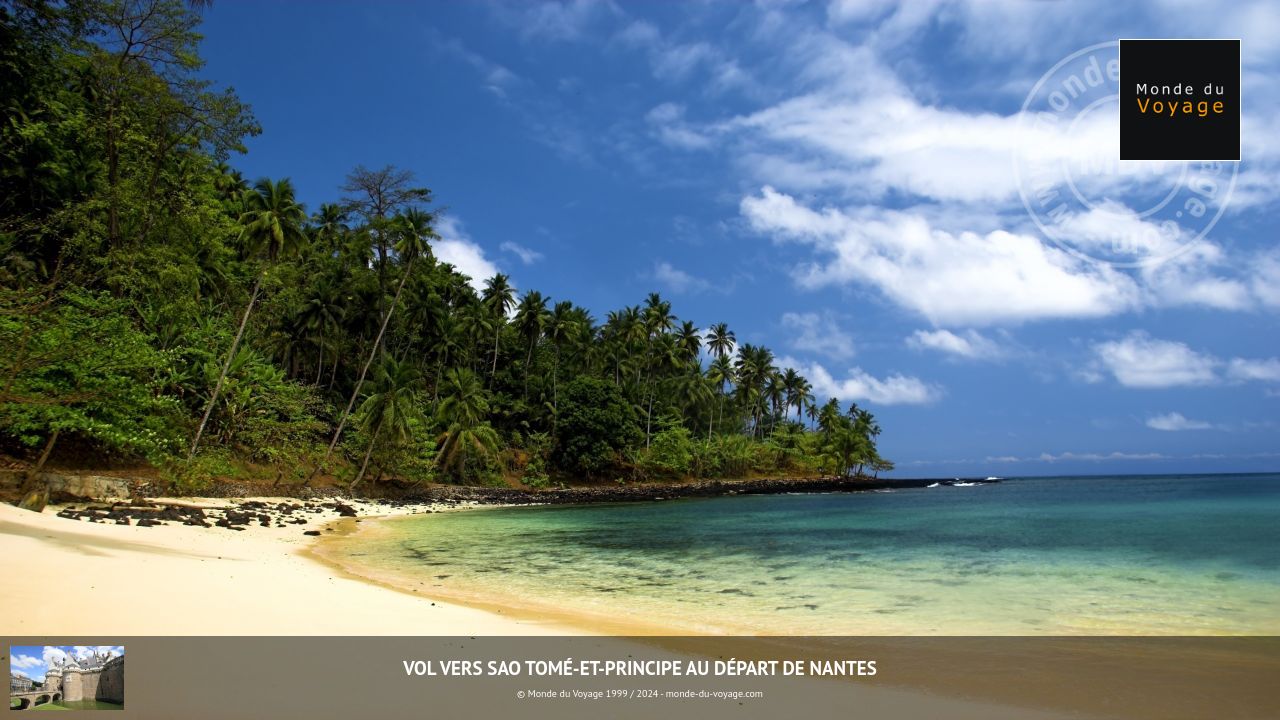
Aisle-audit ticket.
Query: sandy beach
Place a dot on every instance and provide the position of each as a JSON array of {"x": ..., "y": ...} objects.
[{"x": 179, "y": 580}]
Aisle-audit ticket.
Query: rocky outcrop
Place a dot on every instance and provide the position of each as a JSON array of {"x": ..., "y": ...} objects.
[{"x": 96, "y": 487}]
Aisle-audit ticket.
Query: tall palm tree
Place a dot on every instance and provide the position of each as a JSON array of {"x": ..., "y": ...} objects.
[
  {"x": 775, "y": 393},
  {"x": 321, "y": 317},
  {"x": 271, "y": 228},
  {"x": 391, "y": 408},
  {"x": 720, "y": 373},
  {"x": 561, "y": 327},
  {"x": 499, "y": 297},
  {"x": 463, "y": 409},
  {"x": 531, "y": 318},
  {"x": 413, "y": 229}
]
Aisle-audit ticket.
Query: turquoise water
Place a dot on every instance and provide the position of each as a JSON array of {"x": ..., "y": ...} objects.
[{"x": 1168, "y": 555}]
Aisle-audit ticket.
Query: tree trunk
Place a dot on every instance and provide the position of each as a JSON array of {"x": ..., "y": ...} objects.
[
  {"x": 368, "y": 453},
  {"x": 35, "y": 494},
  {"x": 226, "y": 366},
  {"x": 355, "y": 392},
  {"x": 320, "y": 361},
  {"x": 528, "y": 359},
  {"x": 493, "y": 371}
]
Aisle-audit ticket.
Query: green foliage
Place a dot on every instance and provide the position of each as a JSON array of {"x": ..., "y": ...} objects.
[
  {"x": 671, "y": 453},
  {"x": 79, "y": 366},
  {"x": 151, "y": 298},
  {"x": 594, "y": 427}
]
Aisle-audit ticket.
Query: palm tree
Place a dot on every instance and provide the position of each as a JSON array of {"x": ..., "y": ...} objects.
[
  {"x": 330, "y": 228},
  {"x": 413, "y": 230},
  {"x": 531, "y": 318},
  {"x": 690, "y": 342},
  {"x": 392, "y": 407},
  {"x": 720, "y": 373},
  {"x": 499, "y": 297},
  {"x": 271, "y": 227},
  {"x": 560, "y": 328},
  {"x": 720, "y": 340},
  {"x": 321, "y": 316},
  {"x": 775, "y": 393},
  {"x": 463, "y": 410}
]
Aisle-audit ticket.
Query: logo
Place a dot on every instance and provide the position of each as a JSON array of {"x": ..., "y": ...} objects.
[{"x": 1080, "y": 192}]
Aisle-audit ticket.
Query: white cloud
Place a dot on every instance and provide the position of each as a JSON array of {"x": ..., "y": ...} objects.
[
  {"x": 946, "y": 277},
  {"x": 1049, "y": 457},
  {"x": 560, "y": 20},
  {"x": 668, "y": 125},
  {"x": 1174, "y": 421},
  {"x": 1141, "y": 361},
  {"x": 860, "y": 386},
  {"x": 53, "y": 654},
  {"x": 25, "y": 662},
  {"x": 1244, "y": 370},
  {"x": 456, "y": 248},
  {"x": 818, "y": 333},
  {"x": 677, "y": 280},
  {"x": 970, "y": 344},
  {"x": 528, "y": 256}
]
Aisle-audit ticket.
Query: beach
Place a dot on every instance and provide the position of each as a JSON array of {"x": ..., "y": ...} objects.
[{"x": 180, "y": 580}]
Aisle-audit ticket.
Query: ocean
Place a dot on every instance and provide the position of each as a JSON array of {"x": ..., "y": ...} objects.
[{"x": 1095, "y": 555}]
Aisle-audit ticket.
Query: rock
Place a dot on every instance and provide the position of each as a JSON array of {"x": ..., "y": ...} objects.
[{"x": 311, "y": 532}]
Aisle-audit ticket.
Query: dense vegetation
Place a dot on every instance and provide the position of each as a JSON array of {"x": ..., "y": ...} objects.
[{"x": 156, "y": 306}]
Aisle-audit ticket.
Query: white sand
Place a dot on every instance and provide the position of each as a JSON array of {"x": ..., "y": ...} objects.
[{"x": 73, "y": 577}]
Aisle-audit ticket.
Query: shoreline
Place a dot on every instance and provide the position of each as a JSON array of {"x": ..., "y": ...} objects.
[{"x": 182, "y": 580}]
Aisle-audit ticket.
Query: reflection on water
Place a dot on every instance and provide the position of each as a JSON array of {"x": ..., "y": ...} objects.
[{"x": 1120, "y": 555}]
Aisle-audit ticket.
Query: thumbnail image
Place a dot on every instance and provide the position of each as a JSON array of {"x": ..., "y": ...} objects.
[{"x": 66, "y": 677}]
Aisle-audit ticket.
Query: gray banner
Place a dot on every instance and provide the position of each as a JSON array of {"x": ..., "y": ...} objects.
[{"x": 694, "y": 677}]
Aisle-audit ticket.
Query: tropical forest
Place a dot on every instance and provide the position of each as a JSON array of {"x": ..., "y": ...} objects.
[{"x": 160, "y": 310}]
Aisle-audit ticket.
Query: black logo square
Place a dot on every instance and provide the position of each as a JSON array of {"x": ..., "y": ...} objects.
[{"x": 1179, "y": 99}]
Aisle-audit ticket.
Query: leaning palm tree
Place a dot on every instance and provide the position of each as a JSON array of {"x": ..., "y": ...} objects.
[
  {"x": 413, "y": 229},
  {"x": 271, "y": 227},
  {"x": 392, "y": 407},
  {"x": 463, "y": 409}
]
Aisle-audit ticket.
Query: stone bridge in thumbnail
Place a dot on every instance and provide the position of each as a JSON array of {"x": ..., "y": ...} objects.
[{"x": 30, "y": 699}]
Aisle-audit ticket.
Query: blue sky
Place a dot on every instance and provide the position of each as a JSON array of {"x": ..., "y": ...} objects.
[
  {"x": 33, "y": 661},
  {"x": 834, "y": 180}
]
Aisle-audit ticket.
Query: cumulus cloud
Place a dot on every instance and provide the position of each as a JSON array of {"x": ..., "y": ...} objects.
[
  {"x": 969, "y": 344},
  {"x": 26, "y": 662},
  {"x": 456, "y": 248},
  {"x": 1174, "y": 421},
  {"x": 860, "y": 386},
  {"x": 1141, "y": 361},
  {"x": 949, "y": 278},
  {"x": 819, "y": 334}
]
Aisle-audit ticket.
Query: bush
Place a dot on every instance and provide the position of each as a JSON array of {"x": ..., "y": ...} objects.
[
  {"x": 671, "y": 451},
  {"x": 595, "y": 426}
]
